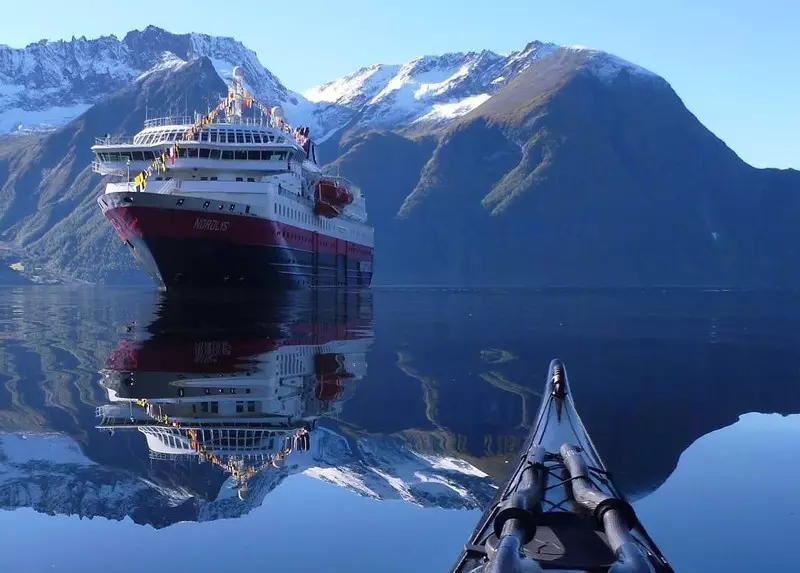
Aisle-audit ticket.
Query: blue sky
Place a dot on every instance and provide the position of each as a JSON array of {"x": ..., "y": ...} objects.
[{"x": 735, "y": 63}]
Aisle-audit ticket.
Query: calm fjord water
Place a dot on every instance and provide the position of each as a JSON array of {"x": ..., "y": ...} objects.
[{"x": 121, "y": 423}]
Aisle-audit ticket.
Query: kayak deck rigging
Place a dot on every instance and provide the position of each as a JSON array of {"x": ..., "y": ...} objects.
[{"x": 560, "y": 508}]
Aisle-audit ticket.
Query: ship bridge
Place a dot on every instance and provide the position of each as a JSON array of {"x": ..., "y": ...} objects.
[{"x": 249, "y": 145}]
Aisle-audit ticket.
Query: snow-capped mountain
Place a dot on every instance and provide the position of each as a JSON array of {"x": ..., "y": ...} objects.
[
  {"x": 49, "y": 83},
  {"x": 49, "y": 473},
  {"x": 430, "y": 89}
]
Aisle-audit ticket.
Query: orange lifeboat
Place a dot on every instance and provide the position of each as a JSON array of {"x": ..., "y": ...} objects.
[
  {"x": 329, "y": 370},
  {"x": 330, "y": 197},
  {"x": 330, "y": 366}
]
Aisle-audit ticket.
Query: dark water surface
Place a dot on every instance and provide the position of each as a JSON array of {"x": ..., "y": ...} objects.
[{"x": 139, "y": 432}]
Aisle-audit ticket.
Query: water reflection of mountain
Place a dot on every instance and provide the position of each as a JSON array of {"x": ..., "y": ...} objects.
[
  {"x": 209, "y": 407},
  {"x": 451, "y": 376},
  {"x": 651, "y": 370}
]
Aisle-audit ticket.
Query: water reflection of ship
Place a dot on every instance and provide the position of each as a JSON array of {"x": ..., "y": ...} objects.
[{"x": 247, "y": 388}]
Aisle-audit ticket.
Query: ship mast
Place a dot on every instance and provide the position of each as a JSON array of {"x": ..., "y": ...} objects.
[{"x": 237, "y": 89}]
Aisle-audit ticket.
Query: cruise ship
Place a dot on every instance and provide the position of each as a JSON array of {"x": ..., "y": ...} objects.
[{"x": 234, "y": 197}]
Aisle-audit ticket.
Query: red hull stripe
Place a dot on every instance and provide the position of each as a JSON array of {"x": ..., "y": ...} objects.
[
  {"x": 209, "y": 356},
  {"x": 234, "y": 229}
]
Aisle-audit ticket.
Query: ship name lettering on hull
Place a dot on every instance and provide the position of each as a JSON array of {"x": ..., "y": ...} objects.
[
  {"x": 201, "y": 224},
  {"x": 209, "y": 352}
]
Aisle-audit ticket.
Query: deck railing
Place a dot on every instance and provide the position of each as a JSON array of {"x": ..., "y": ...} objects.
[
  {"x": 188, "y": 120},
  {"x": 114, "y": 140}
]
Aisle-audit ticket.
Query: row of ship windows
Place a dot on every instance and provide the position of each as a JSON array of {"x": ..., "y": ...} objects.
[
  {"x": 214, "y": 178},
  {"x": 247, "y": 440},
  {"x": 285, "y": 211},
  {"x": 213, "y": 136},
  {"x": 308, "y": 219},
  {"x": 201, "y": 153},
  {"x": 204, "y": 406}
]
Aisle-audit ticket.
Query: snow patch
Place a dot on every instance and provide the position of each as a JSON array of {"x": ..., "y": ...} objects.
[
  {"x": 169, "y": 61},
  {"x": 607, "y": 66},
  {"x": 224, "y": 69},
  {"x": 364, "y": 82},
  {"x": 448, "y": 111},
  {"x": 413, "y": 85},
  {"x": 338, "y": 477},
  {"x": 452, "y": 464},
  {"x": 20, "y": 449}
]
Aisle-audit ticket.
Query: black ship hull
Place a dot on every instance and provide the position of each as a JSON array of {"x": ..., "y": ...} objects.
[{"x": 182, "y": 247}]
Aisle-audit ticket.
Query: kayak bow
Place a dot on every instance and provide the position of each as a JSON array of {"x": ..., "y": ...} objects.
[{"x": 560, "y": 509}]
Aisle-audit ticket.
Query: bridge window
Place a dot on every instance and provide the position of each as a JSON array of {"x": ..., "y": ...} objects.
[
  {"x": 193, "y": 152},
  {"x": 240, "y": 154},
  {"x": 203, "y": 136},
  {"x": 227, "y": 154},
  {"x": 239, "y": 137},
  {"x": 138, "y": 156},
  {"x": 212, "y": 136},
  {"x": 231, "y": 137},
  {"x": 248, "y": 138},
  {"x": 254, "y": 154},
  {"x": 205, "y": 153},
  {"x": 215, "y": 154}
]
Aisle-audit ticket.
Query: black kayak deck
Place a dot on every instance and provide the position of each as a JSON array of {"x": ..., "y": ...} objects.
[{"x": 568, "y": 535}]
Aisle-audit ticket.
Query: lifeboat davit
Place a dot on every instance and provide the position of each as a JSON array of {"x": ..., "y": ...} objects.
[{"x": 330, "y": 198}]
